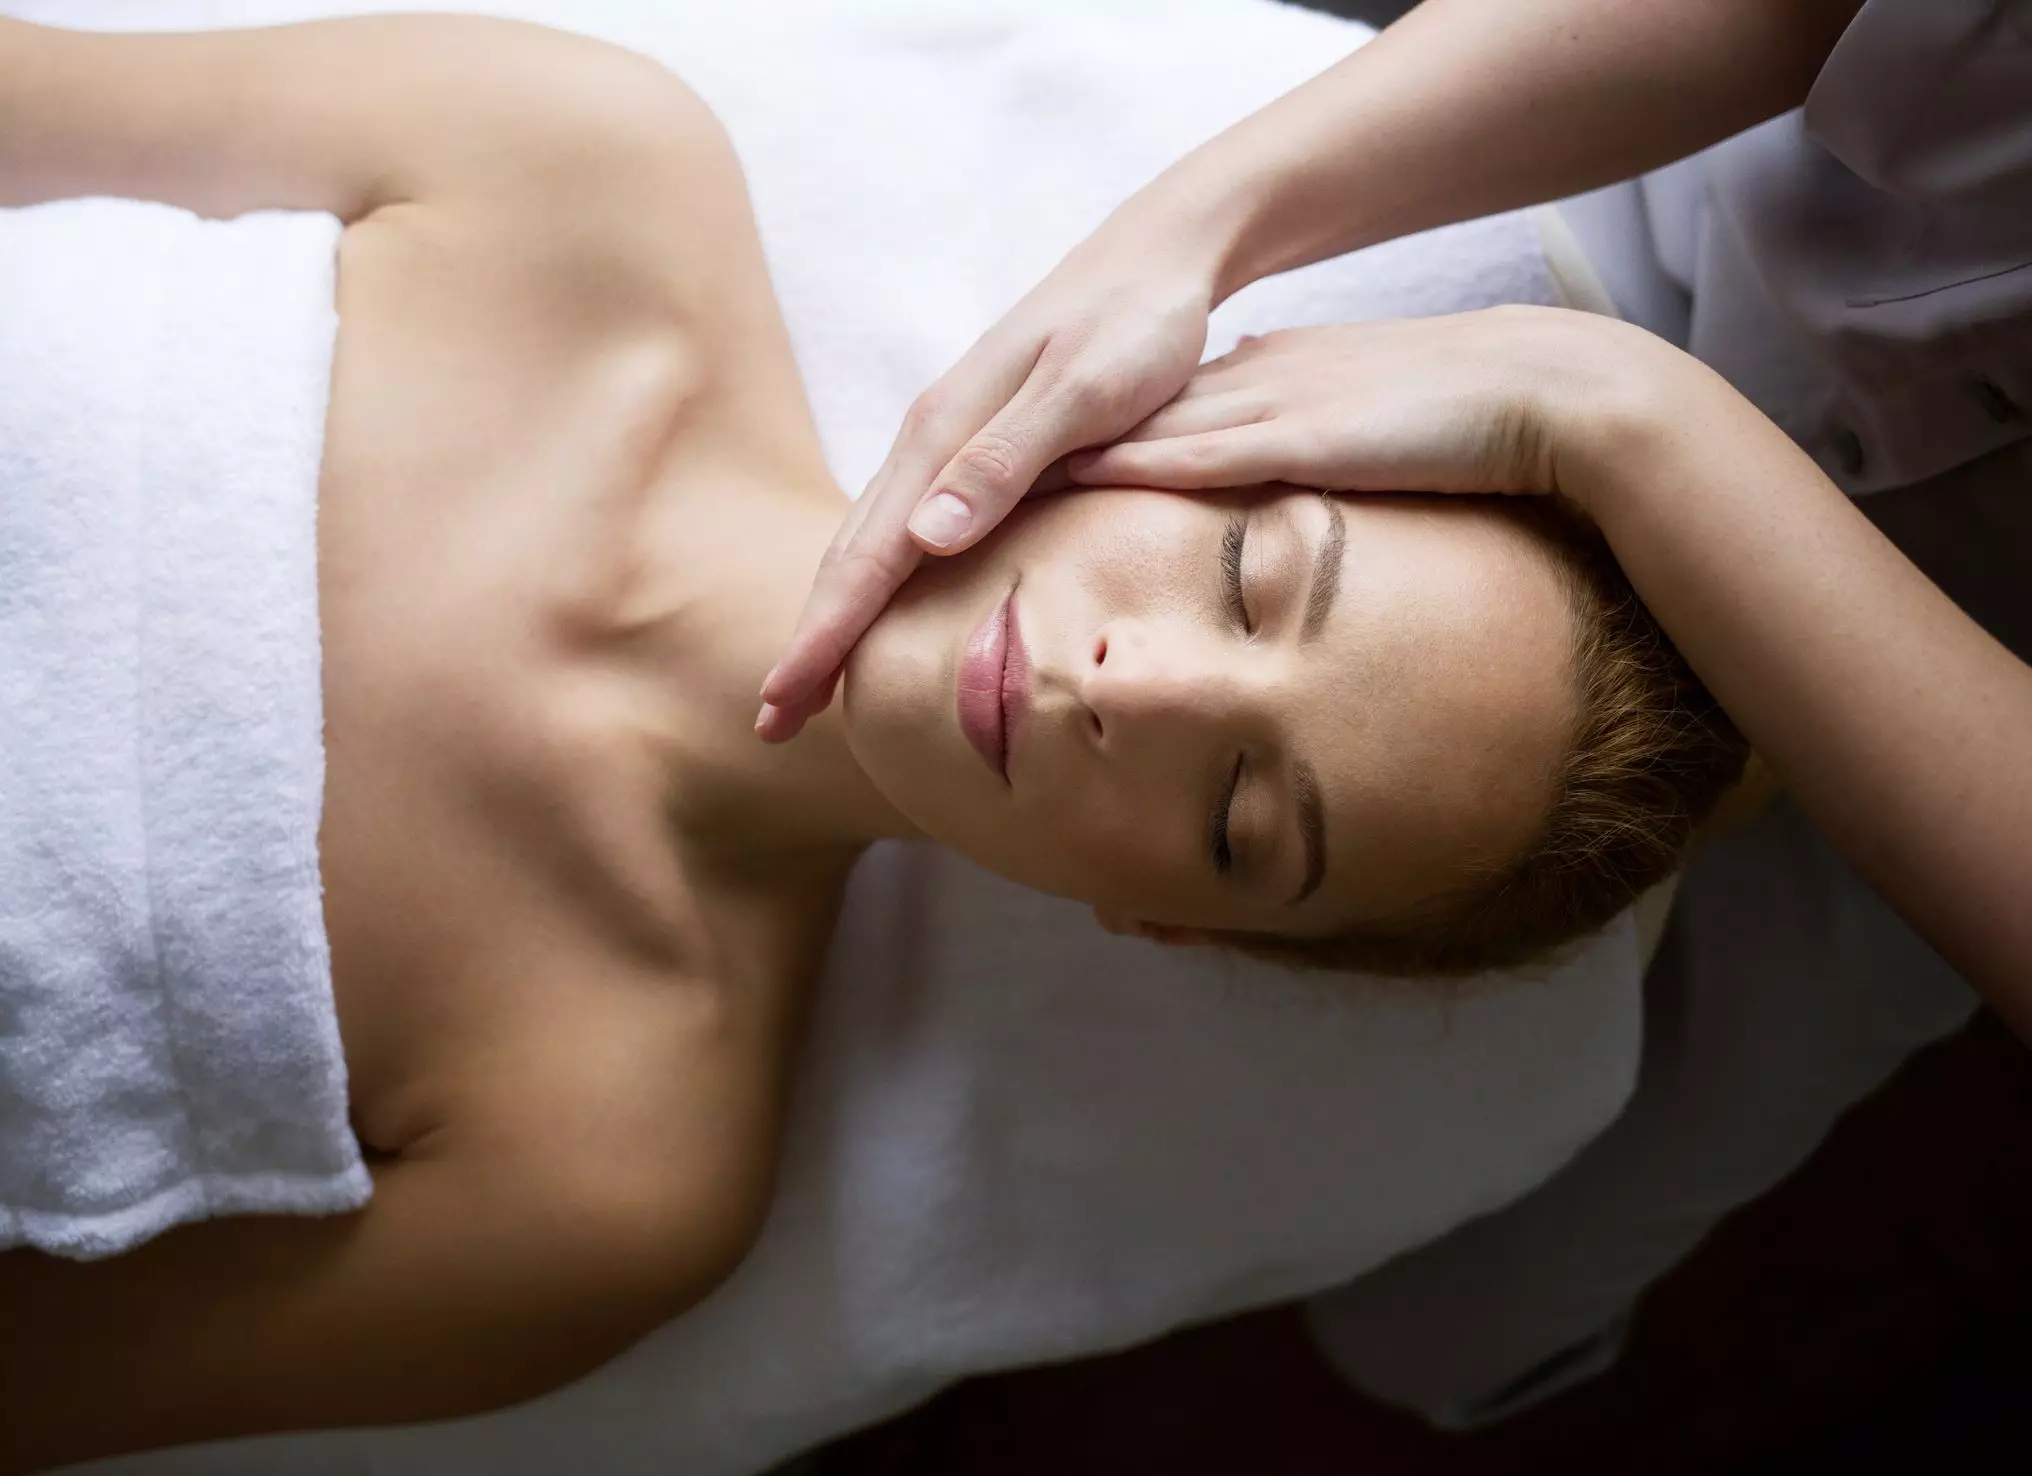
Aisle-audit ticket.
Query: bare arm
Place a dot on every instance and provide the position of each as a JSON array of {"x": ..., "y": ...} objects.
[
  {"x": 1898, "y": 723},
  {"x": 463, "y": 1286},
  {"x": 599, "y": 1169},
  {"x": 1467, "y": 107},
  {"x": 343, "y": 115}
]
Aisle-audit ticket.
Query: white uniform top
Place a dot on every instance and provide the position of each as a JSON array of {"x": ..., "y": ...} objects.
[{"x": 1862, "y": 268}]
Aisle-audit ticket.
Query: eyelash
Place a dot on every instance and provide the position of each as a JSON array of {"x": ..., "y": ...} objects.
[
  {"x": 1231, "y": 569},
  {"x": 1217, "y": 830}
]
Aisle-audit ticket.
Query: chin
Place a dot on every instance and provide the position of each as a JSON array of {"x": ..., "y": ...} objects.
[
  {"x": 913, "y": 753},
  {"x": 899, "y": 733}
]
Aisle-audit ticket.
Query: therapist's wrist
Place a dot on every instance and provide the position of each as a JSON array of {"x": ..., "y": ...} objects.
[
  {"x": 1621, "y": 402},
  {"x": 1282, "y": 190},
  {"x": 1194, "y": 224},
  {"x": 1240, "y": 209}
]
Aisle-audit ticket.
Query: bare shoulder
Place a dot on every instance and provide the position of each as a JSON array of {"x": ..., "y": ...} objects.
[
  {"x": 345, "y": 115},
  {"x": 605, "y": 167},
  {"x": 592, "y": 200},
  {"x": 574, "y": 120}
]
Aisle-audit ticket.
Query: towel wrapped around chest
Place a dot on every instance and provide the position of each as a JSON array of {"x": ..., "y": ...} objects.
[{"x": 168, "y": 1044}]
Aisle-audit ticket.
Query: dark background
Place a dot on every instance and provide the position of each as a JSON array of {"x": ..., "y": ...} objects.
[
  {"x": 1873, "y": 1313},
  {"x": 1375, "y": 12}
]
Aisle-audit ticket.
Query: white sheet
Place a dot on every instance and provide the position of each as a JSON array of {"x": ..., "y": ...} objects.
[{"x": 1016, "y": 1138}]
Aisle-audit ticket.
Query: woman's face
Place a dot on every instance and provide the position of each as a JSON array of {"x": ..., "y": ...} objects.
[{"x": 1273, "y": 711}]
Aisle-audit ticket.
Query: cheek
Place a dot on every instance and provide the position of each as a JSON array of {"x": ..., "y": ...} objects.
[
  {"x": 1086, "y": 558},
  {"x": 1135, "y": 555},
  {"x": 1118, "y": 547},
  {"x": 1113, "y": 845}
]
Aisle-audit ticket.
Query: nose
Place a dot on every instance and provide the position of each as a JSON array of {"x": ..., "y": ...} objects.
[{"x": 1139, "y": 678}]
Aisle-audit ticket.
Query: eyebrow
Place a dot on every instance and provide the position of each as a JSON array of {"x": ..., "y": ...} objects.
[
  {"x": 1319, "y": 603},
  {"x": 1326, "y": 573},
  {"x": 1311, "y": 827}
]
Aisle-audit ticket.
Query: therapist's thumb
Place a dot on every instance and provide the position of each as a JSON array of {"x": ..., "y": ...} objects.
[{"x": 992, "y": 472}]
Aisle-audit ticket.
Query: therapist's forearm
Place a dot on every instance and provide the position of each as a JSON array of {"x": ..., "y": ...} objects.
[
  {"x": 1467, "y": 107},
  {"x": 1898, "y": 724}
]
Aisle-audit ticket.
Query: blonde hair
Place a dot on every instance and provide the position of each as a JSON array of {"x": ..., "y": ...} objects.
[{"x": 1649, "y": 756}]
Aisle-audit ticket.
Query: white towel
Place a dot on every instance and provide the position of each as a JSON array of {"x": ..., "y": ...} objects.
[
  {"x": 1014, "y": 1137},
  {"x": 168, "y": 1048}
]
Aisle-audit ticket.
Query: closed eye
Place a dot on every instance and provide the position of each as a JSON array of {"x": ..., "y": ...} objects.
[
  {"x": 1231, "y": 570},
  {"x": 1217, "y": 823}
]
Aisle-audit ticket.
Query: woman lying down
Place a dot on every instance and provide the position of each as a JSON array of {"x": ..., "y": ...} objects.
[{"x": 570, "y": 501}]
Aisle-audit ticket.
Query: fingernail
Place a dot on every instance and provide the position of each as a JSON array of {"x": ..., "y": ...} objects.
[
  {"x": 765, "y": 716},
  {"x": 941, "y": 520}
]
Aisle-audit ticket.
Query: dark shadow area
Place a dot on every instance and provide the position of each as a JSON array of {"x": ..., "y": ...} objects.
[
  {"x": 1377, "y": 13},
  {"x": 1873, "y": 1313}
]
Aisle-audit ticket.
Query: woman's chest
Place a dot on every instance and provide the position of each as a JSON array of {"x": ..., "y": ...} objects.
[
  {"x": 497, "y": 854},
  {"x": 498, "y": 757}
]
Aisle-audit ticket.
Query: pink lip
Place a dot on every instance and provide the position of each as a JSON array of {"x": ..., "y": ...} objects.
[
  {"x": 1015, "y": 685},
  {"x": 993, "y": 695}
]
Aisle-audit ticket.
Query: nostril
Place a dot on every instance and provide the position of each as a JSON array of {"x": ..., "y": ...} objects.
[{"x": 1100, "y": 650}]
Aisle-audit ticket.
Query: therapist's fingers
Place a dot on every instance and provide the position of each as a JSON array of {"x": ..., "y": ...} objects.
[
  {"x": 1193, "y": 415},
  {"x": 850, "y": 591},
  {"x": 993, "y": 373},
  {"x": 1110, "y": 336},
  {"x": 1058, "y": 406},
  {"x": 776, "y": 724},
  {"x": 1235, "y": 456},
  {"x": 1090, "y": 383},
  {"x": 1053, "y": 413},
  {"x": 803, "y": 679},
  {"x": 873, "y": 553},
  {"x": 1447, "y": 404}
]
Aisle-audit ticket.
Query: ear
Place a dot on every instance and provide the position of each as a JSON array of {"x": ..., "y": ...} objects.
[{"x": 1124, "y": 926}]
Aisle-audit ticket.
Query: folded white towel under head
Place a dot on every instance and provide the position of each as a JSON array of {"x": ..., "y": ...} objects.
[{"x": 168, "y": 1048}]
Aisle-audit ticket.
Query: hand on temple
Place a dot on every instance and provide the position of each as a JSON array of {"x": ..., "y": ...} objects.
[
  {"x": 1452, "y": 404},
  {"x": 1508, "y": 105},
  {"x": 1849, "y": 671},
  {"x": 1097, "y": 346},
  {"x": 1109, "y": 336}
]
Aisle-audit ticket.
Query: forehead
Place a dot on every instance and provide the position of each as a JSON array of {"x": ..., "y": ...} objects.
[{"x": 1436, "y": 702}]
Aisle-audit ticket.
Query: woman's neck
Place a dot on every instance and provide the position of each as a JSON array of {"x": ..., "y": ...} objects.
[{"x": 724, "y": 576}]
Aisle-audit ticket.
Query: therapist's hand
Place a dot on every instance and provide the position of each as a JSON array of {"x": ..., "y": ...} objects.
[
  {"x": 1108, "y": 337},
  {"x": 1474, "y": 402}
]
